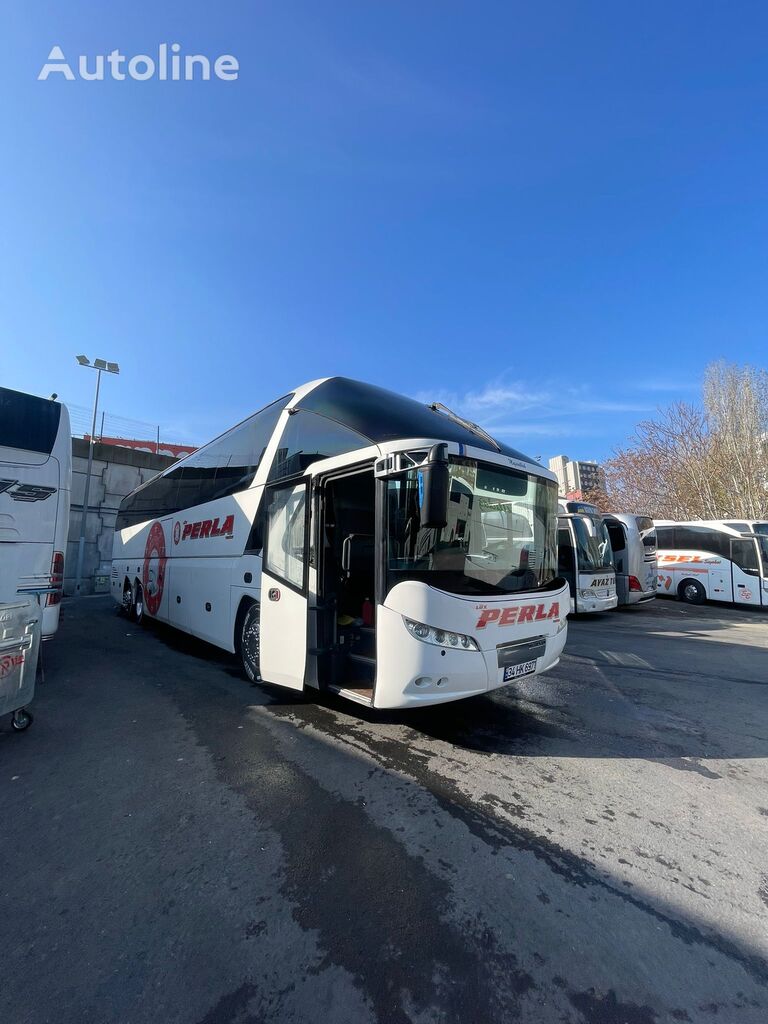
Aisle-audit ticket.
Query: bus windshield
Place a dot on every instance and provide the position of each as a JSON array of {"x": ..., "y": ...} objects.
[
  {"x": 593, "y": 546},
  {"x": 500, "y": 536}
]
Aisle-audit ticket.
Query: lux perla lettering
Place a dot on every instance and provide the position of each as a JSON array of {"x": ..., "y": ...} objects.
[{"x": 168, "y": 64}]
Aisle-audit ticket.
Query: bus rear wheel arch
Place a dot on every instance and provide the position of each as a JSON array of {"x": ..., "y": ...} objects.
[
  {"x": 248, "y": 639},
  {"x": 692, "y": 592}
]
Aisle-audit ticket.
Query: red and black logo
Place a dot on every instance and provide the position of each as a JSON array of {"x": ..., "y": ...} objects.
[{"x": 154, "y": 568}]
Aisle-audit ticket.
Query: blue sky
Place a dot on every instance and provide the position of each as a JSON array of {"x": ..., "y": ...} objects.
[{"x": 550, "y": 216}]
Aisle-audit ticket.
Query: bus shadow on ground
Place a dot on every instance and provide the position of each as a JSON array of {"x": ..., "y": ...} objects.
[{"x": 672, "y": 718}]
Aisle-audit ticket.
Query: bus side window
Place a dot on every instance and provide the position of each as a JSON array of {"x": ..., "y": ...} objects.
[{"x": 665, "y": 536}]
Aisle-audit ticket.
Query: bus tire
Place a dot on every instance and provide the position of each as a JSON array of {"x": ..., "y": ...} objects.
[
  {"x": 692, "y": 592},
  {"x": 126, "y": 605},
  {"x": 138, "y": 605},
  {"x": 247, "y": 640}
]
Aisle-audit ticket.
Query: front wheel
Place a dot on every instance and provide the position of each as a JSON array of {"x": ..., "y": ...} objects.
[
  {"x": 249, "y": 643},
  {"x": 692, "y": 592},
  {"x": 22, "y": 719}
]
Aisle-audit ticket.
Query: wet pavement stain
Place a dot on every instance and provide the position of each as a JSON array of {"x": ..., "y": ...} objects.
[{"x": 377, "y": 911}]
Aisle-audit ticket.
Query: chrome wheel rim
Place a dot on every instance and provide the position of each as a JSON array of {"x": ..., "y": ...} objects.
[
  {"x": 691, "y": 592},
  {"x": 127, "y": 600},
  {"x": 139, "y": 605}
]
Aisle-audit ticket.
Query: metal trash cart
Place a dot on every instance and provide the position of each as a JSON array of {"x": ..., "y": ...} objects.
[{"x": 20, "y": 630}]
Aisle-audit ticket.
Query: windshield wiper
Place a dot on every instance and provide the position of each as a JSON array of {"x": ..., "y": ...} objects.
[{"x": 473, "y": 427}]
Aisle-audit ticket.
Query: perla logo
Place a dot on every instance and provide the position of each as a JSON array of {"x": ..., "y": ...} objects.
[{"x": 167, "y": 65}]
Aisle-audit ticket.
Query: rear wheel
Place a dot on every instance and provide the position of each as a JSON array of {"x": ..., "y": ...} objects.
[
  {"x": 126, "y": 606},
  {"x": 692, "y": 592},
  {"x": 249, "y": 642}
]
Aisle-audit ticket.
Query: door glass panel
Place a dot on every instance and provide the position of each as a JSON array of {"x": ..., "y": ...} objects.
[
  {"x": 744, "y": 554},
  {"x": 286, "y": 517}
]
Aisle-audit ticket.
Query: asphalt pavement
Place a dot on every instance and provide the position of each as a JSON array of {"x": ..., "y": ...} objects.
[{"x": 585, "y": 846}]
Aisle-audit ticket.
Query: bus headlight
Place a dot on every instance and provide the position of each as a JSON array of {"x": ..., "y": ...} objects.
[{"x": 440, "y": 637}]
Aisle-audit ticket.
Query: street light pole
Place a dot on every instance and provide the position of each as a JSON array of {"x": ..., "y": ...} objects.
[{"x": 98, "y": 365}]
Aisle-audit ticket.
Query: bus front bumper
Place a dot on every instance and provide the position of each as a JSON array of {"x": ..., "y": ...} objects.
[
  {"x": 587, "y": 605},
  {"x": 411, "y": 672}
]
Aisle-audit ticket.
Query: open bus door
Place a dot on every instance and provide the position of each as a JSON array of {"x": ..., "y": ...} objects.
[{"x": 283, "y": 615}]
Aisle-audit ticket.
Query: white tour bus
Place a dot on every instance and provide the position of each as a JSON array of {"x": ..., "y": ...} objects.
[
  {"x": 633, "y": 540},
  {"x": 35, "y": 484},
  {"x": 699, "y": 562},
  {"x": 585, "y": 558},
  {"x": 349, "y": 539}
]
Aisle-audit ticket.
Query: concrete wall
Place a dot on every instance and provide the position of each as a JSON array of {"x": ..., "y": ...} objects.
[{"x": 115, "y": 472}]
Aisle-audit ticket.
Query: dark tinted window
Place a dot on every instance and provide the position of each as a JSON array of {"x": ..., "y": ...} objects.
[
  {"x": 565, "y": 559},
  {"x": 666, "y": 537},
  {"x": 225, "y": 466},
  {"x": 647, "y": 533},
  {"x": 616, "y": 533},
  {"x": 700, "y": 538},
  {"x": 28, "y": 422},
  {"x": 307, "y": 438},
  {"x": 382, "y": 415},
  {"x": 744, "y": 554},
  {"x": 741, "y": 527}
]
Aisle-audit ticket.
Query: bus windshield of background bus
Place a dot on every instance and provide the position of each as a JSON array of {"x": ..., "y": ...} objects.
[
  {"x": 500, "y": 536},
  {"x": 762, "y": 543},
  {"x": 593, "y": 546}
]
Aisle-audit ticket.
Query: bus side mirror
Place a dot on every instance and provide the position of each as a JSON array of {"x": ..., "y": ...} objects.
[{"x": 437, "y": 487}]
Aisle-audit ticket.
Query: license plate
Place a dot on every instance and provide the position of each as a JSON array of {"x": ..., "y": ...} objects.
[{"x": 513, "y": 671}]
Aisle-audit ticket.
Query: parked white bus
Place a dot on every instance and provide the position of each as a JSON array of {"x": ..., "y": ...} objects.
[
  {"x": 349, "y": 539},
  {"x": 699, "y": 562},
  {"x": 35, "y": 484},
  {"x": 633, "y": 540},
  {"x": 585, "y": 557}
]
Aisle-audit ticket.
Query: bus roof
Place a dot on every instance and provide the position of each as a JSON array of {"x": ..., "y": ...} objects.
[{"x": 382, "y": 415}]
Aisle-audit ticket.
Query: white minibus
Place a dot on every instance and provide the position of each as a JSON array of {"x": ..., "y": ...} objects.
[
  {"x": 699, "y": 562},
  {"x": 35, "y": 485},
  {"x": 349, "y": 539},
  {"x": 633, "y": 540},
  {"x": 585, "y": 558}
]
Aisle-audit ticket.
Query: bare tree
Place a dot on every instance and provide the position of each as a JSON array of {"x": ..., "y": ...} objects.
[{"x": 708, "y": 462}]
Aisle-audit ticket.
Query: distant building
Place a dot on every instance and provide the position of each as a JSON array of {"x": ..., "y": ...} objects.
[{"x": 575, "y": 478}]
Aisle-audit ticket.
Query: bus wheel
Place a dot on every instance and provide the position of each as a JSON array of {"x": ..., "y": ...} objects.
[
  {"x": 126, "y": 606},
  {"x": 249, "y": 642},
  {"x": 22, "y": 719},
  {"x": 692, "y": 592},
  {"x": 138, "y": 605}
]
